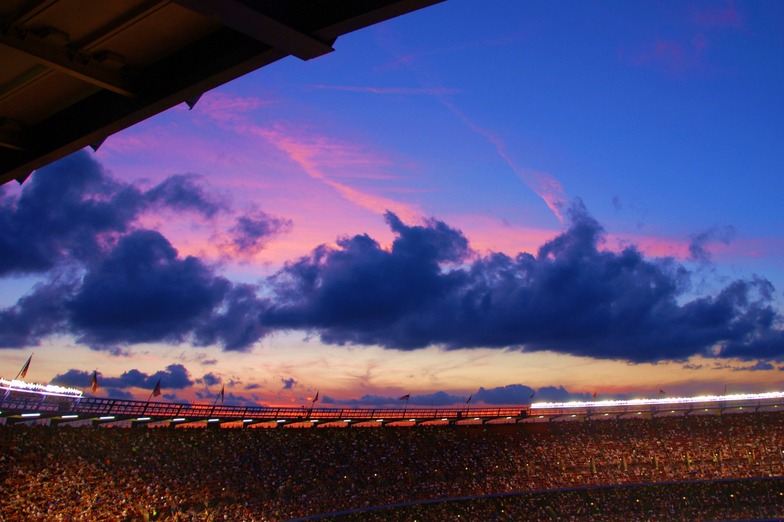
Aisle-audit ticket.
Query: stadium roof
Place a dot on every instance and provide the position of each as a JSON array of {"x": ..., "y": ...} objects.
[{"x": 77, "y": 71}]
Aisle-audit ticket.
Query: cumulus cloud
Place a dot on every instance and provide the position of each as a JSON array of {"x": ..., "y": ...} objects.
[
  {"x": 250, "y": 234},
  {"x": 573, "y": 297},
  {"x": 210, "y": 379},
  {"x": 436, "y": 399},
  {"x": 174, "y": 377},
  {"x": 699, "y": 242},
  {"x": 110, "y": 284},
  {"x": 142, "y": 292},
  {"x": 69, "y": 210},
  {"x": 510, "y": 394}
]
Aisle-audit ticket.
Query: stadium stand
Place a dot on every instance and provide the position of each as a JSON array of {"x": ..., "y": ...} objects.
[{"x": 680, "y": 467}]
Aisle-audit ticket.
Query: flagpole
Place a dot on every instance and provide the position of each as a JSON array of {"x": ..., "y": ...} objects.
[
  {"x": 219, "y": 396},
  {"x": 313, "y": 403},
  {"x": 25, "y": 367},
  {"x": 154, "y": 390}
]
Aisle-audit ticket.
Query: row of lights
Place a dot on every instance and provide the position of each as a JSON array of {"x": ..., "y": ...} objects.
[{"x": 183, "y": 419}]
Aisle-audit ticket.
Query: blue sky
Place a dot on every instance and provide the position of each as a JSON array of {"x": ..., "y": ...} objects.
[{"x": 475, "y": 198}]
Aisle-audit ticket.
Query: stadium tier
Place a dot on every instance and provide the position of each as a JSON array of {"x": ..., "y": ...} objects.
[
  {"x": 726, "y": 466},
  {"x": 22, "y": 402}
]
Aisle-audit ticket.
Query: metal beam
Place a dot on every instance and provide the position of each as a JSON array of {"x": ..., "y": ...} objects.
[
  {"x": 221, "y": 56},
  {"x": 259, "y": 26},
  {"x": 61, "y": 59}
]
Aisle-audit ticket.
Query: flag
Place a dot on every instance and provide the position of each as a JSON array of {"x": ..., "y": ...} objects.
[
  {"x": 94, "y": 381},
  {"x": 594, "y": 395},
  {"x": 23, "y": 372},
  {"x": 404, "y": 397},
  {"x": 157, "y": 390},
  {"x": 316, "y": 397},
  {"x": 222, "y": 393},
  {"x": 533, "y": 395},
  {"x": 662, "y": 391},
  {"x": 469, "y": 398}
]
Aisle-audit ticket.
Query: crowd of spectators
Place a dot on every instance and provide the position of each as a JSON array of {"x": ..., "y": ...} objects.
[{"x": 64, "y": 473}]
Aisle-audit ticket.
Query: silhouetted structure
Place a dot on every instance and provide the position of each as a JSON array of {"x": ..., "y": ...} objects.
[{"x": 74, "y": 72}]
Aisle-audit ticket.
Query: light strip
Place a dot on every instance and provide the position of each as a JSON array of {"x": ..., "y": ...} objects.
[
  {"x": 651, "y": 402},
  {"x": 45, "y": 389},
  {"x": 29, "y": 415}
]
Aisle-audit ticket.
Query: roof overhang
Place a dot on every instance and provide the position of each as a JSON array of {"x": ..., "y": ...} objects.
[{"x": 76, "y": 72}]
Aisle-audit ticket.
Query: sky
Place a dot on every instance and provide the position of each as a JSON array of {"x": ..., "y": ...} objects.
[{"x": 496, "y": 200}]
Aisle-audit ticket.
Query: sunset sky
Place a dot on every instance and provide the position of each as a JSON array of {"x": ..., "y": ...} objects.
[{"x": 484, "y": 199}]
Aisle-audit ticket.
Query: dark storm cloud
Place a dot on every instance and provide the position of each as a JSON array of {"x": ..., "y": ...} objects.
[
  {"x": 34, "y": 316},
  {"x": 234, "y": 322},
  {"x": 174, "y": 377},
  {"x": 182, "y": 192},
  {"x": 143, "y": 292},
  {"x": 572, "y": 298},
  {"x": 510, "y": 394},
  {"x": 69, "y": 209},
  {"x": 365, "y": 400},
  {"x": 73, "y": 378},
  {"x": 560, "y": 394},
  {"x": 362, "y": 294},
  {"x": 251, "y": 233},
  {"x": 758, "y": 367},
  {"x": 436, "y": 399},
  {"x": 210, "y": 379},
  {"x": 697, "y": 246},
  {"x": 109, "y": 282}
]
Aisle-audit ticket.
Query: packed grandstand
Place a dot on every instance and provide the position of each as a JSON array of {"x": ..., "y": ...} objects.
[{"x": 712, "y": 465}]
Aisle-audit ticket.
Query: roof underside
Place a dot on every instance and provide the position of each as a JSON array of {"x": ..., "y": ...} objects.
[{"x": 77, "y": 71}]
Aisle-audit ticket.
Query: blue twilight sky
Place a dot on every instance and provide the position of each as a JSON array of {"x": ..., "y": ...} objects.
[{"x": 478, "y": 198}]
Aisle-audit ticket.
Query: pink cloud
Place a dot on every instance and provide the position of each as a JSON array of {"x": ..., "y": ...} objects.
[
  {"x": 542, "y": 184},
  {"x": 438, "y": 91},
  {"x": 229, "y": 109},
  {"x": 319, "y": 155},
  {"x": 716, "y": 16}
]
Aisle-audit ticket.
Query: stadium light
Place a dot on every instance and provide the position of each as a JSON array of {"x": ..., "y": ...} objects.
[
  {"x": 69, "y": 416},
  {"x": 667, "y": 401},
  {"x": 28, "y": 415},
  {"x": 213, "y": 420},
  {"x": 143, "y": 419},
  {"x": 346, "y": 420},
  {"x": 43, "y": 389},
  {"x": 179, "y": 419},
  {"x": 379, "y": 420},
  {"x": 247, "y": 420},
  {"x": 108, "y": 417},
  {"x": 314, "y": 421},
  {"x": 280, "y": 421}
]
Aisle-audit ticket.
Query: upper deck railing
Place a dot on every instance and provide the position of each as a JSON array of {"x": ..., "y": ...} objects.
[{"x": 31, "y": 402}]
